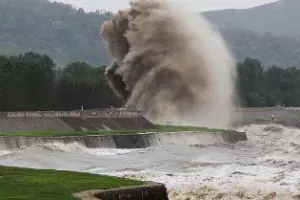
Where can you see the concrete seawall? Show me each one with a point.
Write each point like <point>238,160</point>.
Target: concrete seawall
<point>115,119</point>
<point>104,119</point>
<point>283,116</point>
<point>145,192</point>
<point>129,141</point>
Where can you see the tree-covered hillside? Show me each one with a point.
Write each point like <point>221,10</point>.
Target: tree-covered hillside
<point>56,29</point>
<point>280,18</point>
<point>270,49</point>
<point>269,32</point>
<point>31,82</point>
<point>67,34</point>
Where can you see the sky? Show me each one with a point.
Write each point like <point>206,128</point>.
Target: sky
<point>193,5</point>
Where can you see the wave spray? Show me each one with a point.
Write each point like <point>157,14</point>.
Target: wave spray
<point>171,64</point>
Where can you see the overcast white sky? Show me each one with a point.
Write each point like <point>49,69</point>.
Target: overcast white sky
<point>195,5</point>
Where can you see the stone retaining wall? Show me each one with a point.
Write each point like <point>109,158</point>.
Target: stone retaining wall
<point>128,141</point>
<point>283,116</point>
<point>145,192</point>
<point>103,113</point>
<point>90,120</point>
<point>266,113</point>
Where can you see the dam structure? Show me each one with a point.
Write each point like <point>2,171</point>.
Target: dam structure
<point>123,119</point>
<point>65,121</point>
<point>99,120</point>
<point>128,141</point>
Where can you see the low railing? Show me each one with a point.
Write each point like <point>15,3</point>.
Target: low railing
<point>118,112</point>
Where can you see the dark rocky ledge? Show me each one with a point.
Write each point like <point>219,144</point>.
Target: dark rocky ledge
<point>151,191</point>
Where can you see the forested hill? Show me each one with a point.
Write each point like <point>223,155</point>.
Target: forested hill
<point>67,34</point>
<point>272,50</point>
<point>55,29</point>
<point>269,32</point>
<point>280,18</point>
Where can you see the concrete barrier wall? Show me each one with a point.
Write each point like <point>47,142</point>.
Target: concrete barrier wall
<point>194,138</point>
<point>95,124</point>
<point>114,119</point>
<point>283,116</point>
<point>103,113</point>
<point>279,112</point>
<point>90,120</point>
<point>33,124</point>
<point>145,192</point>
<point>10,143</point>
<point>66,124</point>
<point>36,114</point>
<point>131,141</point>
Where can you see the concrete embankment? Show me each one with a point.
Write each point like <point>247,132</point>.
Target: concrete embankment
<point>105,119</point>
<point>289,117</point>
<point>145,192</point>
<point>129,141</point>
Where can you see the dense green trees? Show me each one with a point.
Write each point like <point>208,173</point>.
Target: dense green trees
<point>32,82</point>
<point>259,87</point>
<point>52,28</point>
<point>81,84</point>
<point>26,81</point>
<point>269,33</point>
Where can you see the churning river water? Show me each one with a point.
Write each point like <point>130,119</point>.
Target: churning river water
<point>266,167</point>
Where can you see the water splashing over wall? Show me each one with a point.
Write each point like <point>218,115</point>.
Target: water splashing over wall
<point>170,64</point>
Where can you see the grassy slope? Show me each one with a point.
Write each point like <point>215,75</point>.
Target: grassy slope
<point>30,184</point>
<point>160,128</point>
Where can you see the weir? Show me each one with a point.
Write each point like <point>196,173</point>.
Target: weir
<point>99,119</point>
<point>89,120</point>
<point>115,119</point>
<point>130,141</point>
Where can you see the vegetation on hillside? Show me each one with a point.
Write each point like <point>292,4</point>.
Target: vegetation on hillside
<point>31,82</point>
<point>260,87</point>
<point>55,29</point>
<point>33,184</point>
<point>270,33</point>
<point>270,49</point>
<point>67,34</point>
<point>279,18</point>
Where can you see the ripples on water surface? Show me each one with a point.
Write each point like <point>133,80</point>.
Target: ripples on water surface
<point>265,167</point>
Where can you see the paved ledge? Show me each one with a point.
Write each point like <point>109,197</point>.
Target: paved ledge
<point>129,141</point>
<point>152,191</point>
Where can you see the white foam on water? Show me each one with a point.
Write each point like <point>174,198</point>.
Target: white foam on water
<point>4,152</point>
<point>108,152</point>
<point>59,146</point>
<point>194,186</point>
<point>79,148</point>
<point>214,193</point>
<point>267,167</point>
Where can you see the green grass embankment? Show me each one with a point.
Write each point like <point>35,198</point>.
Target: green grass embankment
<point>159,128</point>
<point>31,184</point>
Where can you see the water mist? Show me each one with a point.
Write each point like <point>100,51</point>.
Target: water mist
<point>171,64</point>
